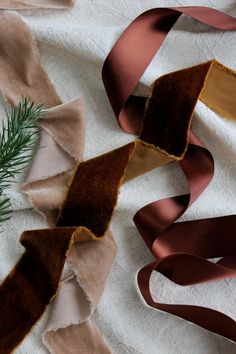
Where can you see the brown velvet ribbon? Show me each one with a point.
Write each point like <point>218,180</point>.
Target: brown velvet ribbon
<point>87,211</point>
<point>182,250</point>
<point>62,138</point>
<point>92,196</point>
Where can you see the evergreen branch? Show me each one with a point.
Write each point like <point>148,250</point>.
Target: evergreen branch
<point>18,137</point>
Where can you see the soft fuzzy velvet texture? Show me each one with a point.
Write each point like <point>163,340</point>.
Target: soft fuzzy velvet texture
<point>166,119</point>
<point>62,142</point>
<point>22,75</point>
<point>70,328</point>
<point>31,284</point>
<point>98,179</point>
<point>88,206</point>
<point>62,137</point>
<point>61,147</point>
<point>28,289</point>
<point>85,217</point>
<point>83,338</point>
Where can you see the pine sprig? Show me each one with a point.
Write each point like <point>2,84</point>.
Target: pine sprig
<point>18,137</point>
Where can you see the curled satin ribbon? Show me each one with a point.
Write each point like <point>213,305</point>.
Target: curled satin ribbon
<point>135,49</point>
<point>88,208</point>
<point>92,196</point>
<point>181,250</point>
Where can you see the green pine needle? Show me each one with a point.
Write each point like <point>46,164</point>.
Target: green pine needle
<point>18,137</point>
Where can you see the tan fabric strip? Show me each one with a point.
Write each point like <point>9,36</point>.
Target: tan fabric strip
<point>46,195</point>
<point>61,147</point>
<point>145,158</point>
<point>219,92</point>
<point>62,143</point>
<point>40,268</point>
<point>86,200</point>
<point>87,209</point>
<point>21,73</point>
<point>84,220</point>
<point>30,4</point>
<point>62,138</point>
<point>69,329</point>
<point>83,338</point>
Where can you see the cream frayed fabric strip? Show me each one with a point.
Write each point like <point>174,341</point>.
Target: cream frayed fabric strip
<point>31,4</point>
<point>70,329</point>
<point>62,138</point>
<point>61,147</point>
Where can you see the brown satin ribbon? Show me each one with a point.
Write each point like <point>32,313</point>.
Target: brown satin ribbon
<point>134,50</point>
<point>89,205</point>
<point>181,250</point>
<point>91,199</point>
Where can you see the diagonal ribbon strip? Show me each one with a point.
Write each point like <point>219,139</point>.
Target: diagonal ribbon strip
<point>21,75</point>
<point>86,214</point>
<point>135,49</point>
<point>89,205</point>
<point>62,138</point>
<point>180,251</point>
<point>70,326</point>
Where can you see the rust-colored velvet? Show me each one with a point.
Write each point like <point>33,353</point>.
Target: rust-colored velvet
<point>166,111</point>
<point>166,123</point>
<point>85,216</point>
<point>93,193</point>
<point>134,50</point>
<point>31,284</point>
<point>62,136</point>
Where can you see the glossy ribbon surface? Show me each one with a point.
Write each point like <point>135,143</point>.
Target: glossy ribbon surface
<point>92,196</point>
<point>182,250</point>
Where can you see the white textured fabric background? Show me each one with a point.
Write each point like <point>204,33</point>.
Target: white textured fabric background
<point>73,45</point>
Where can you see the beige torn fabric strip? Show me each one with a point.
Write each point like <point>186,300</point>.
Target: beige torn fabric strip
<point>31,4</point>
<point>62,139</point>
<point>78,298</point>
<point>88,341</point>
<point>61,148</point>
<point>21,73</point>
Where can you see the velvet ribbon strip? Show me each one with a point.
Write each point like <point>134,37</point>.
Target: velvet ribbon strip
<point>62,138</point>
<point>182,250</point>
<point>141,40</point>
<point>90,202</point>
<point>82,234</point>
